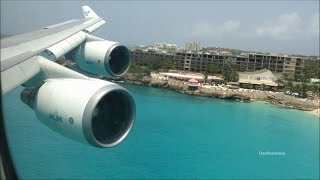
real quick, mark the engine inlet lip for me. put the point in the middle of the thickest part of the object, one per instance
(93, 102)
(106, 61)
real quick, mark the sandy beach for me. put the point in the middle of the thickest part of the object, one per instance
(315, 112)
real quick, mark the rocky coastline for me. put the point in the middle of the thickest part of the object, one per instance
(276, 98)
(279, 99)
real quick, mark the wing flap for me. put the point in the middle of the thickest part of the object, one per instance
(66, 45)
(95, 26)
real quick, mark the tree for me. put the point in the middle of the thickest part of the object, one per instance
(205, 76)
(301, 78)
(229, 64)
(285, 76)
(303, 90)
(295, 89)
(311, 69)
(212, 69)
(166, 64)
(231, 76)
(138, 69)
(315, 89)
(226, 75)
(288, 86)
(152, 61)
(235, 76)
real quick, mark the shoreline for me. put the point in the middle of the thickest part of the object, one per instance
(315, 112)
(242, 95)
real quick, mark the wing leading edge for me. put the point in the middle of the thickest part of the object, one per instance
(19, 53)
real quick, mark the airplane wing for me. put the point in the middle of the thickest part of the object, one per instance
(18, 53)
(89, 110)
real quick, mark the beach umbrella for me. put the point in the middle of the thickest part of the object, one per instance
(193, 81)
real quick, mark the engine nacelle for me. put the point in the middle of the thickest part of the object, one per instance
(103, 58)
(92, 111)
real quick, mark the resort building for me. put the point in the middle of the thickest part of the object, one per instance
(199, 62)
(260, 78)
(283, 64)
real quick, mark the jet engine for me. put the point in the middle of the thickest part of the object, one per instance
(102, 58)
(91, 111)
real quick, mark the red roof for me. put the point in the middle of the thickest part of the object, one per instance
(193, 81)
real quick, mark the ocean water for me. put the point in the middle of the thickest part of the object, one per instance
(174, 136)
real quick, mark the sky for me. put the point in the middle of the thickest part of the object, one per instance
(266, 26)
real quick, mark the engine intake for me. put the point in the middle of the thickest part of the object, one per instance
(92, 111)
(103, 58)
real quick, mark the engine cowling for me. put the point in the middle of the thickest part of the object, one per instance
(92, 111)
(106, 58)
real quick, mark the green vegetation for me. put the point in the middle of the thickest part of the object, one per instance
(139, 69)
(166, 64)
(302, 88)
(151, 61)
(205, 77)
(229, 73)
(155, 63)
(212, 69)
(231, 76)
(315, 89)
(288, 86)
(286, 77)
(311, 70)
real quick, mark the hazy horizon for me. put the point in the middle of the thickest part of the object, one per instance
(290, 27)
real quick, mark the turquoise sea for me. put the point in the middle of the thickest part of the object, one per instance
(174, 136)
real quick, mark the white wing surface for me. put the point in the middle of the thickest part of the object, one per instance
(92, 111)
